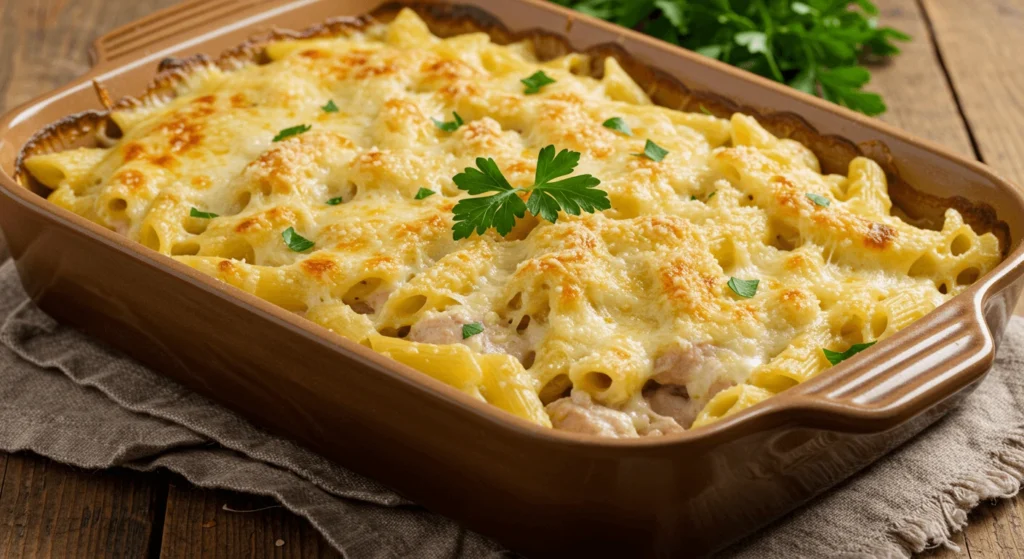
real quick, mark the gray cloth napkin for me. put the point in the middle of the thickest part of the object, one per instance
(69, 398)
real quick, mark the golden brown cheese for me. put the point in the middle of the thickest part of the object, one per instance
(620, 323)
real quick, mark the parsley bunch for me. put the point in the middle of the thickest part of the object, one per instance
(812, 45)
(547, 196)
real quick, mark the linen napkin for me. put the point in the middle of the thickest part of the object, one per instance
(69, 398)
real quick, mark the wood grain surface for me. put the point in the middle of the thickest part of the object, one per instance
(223, 524)
(52, 510)
(958, 83)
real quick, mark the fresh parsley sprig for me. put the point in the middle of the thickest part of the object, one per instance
(815, 46)
(744, 288)
(296, 242)
(653, 151)
(546, 195)
(619, 125)
(195, 212)
(471, 329)
(536, 81)
(837, 357)
(293, 131)
(449, 126)
(819, 199)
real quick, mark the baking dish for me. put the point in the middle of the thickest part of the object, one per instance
(526, 486)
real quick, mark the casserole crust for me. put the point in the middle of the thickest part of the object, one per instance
(629, 308)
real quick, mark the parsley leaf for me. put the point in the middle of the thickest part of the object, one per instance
(424, 193)
(819, 199)
(293, 131)
(618, 125)
(471, 329)
(449, 126)
(571, 194)
(653, 151)
(202, 215)
(296, 242)
(546, 196)
(815, 46)
(335, 201)
(480, 214)
(743, 288)
(705, 110)
(330, 107)
(837, 357)
(535, 82)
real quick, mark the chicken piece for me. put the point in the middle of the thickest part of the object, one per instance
(437, 329)
(579, 414)
(681, 365)
(674, 401)
(649, 422)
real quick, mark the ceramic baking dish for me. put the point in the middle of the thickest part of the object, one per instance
(542, 492)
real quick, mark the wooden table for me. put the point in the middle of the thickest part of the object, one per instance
(959, 83)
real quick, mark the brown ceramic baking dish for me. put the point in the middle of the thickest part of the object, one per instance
(542, 492)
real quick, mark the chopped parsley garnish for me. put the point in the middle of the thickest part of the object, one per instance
(293, 131)
(202, 215)
(330, 107)
(743, 288)
(471, 329)
(705, 110)
(653, 151)
(424, 193)
(535, 82)
(547, 196)
(837, 357)
(693, 197)
(449, 126)
(712, 195)
(617, 124)
(335, 201)
(819, 199)
(296, 242)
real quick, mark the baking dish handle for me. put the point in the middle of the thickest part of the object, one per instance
(170, 26)
(876, 391)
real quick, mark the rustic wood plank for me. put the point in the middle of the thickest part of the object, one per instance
(914, 84)
(980, 43)
(198, 525)
(51, 510)
(45, 43)
(997, 530)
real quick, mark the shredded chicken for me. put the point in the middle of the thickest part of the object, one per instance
(673, 401)
(446, 328)
(438, 328)
(578, 413)
(682, 365)
(674, 370)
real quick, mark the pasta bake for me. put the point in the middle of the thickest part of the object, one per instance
(548, 242)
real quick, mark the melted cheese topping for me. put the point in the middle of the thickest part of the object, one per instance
(619, 323)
